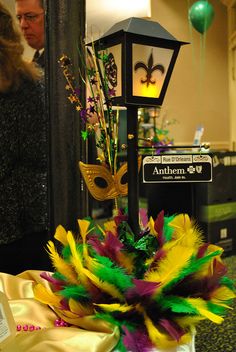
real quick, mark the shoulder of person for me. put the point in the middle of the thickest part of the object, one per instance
(33, 86)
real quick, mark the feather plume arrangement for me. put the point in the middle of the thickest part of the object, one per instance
(155, 287)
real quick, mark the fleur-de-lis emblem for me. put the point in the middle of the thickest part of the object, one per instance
(149, 68)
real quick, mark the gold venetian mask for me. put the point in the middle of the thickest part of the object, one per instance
(102, 184)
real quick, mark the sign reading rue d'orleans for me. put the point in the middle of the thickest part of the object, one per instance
(177, 168)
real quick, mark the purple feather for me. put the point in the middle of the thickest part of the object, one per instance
(158, 226)
(203, 287)
(113, 242)
(112, 246)
(97, 245)
(109, 248)
(160, 254)
(136, 341)
(142, 289)
(219, 268)
(157, 256)
(172, 328)
(57, 284)
(64, 304)
(120, 217)
(202, 250)
(143, 217)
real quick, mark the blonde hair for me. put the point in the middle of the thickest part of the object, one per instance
(13, 69)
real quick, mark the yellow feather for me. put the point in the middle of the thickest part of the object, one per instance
(102, 231)
(222, 293)
(187, 320)
(76, 259)
(126, 261)
(115, 307)
(60, 265)
(202, 308)
(42, 294)
(151, 224)
(170, 266)
(65, 314)
(211, 316)
(79, 308)
(181, 222)
(208, 268)
(111, 226)
(83, 226)
(161, 340)
(186, 233)
(60, 235)
(213, 248)
(104, 286)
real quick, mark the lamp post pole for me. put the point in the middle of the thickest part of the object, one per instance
(132, 161)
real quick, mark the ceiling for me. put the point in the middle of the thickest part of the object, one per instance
(102, 14)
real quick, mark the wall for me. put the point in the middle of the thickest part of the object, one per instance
(191, 98)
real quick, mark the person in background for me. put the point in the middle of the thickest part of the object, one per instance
(30, 15)
(23, 156)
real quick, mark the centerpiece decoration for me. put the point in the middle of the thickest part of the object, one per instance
(154, 288)
(151, 286)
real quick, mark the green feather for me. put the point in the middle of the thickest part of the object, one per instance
(59, 276)
(226, 281)
(216, 309)
(112, 274)
(110, 319)
(76, 292)
(120, 347)
(176, 304)
(168, 230)
(66, 251)
(192, 266)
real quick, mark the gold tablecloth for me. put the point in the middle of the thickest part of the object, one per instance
(96, 336)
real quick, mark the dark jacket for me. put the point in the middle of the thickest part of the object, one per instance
(40, 60)
(23, 162)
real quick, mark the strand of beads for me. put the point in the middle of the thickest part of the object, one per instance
(30, 327)
(26, 327)
(60, 323)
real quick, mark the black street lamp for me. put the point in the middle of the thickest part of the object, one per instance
(141, 57)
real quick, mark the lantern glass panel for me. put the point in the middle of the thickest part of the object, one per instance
(150, 66)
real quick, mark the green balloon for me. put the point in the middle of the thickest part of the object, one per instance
(201, 15)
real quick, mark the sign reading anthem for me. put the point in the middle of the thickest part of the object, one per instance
(177, 168)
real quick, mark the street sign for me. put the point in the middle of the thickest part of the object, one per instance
(177, 168)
